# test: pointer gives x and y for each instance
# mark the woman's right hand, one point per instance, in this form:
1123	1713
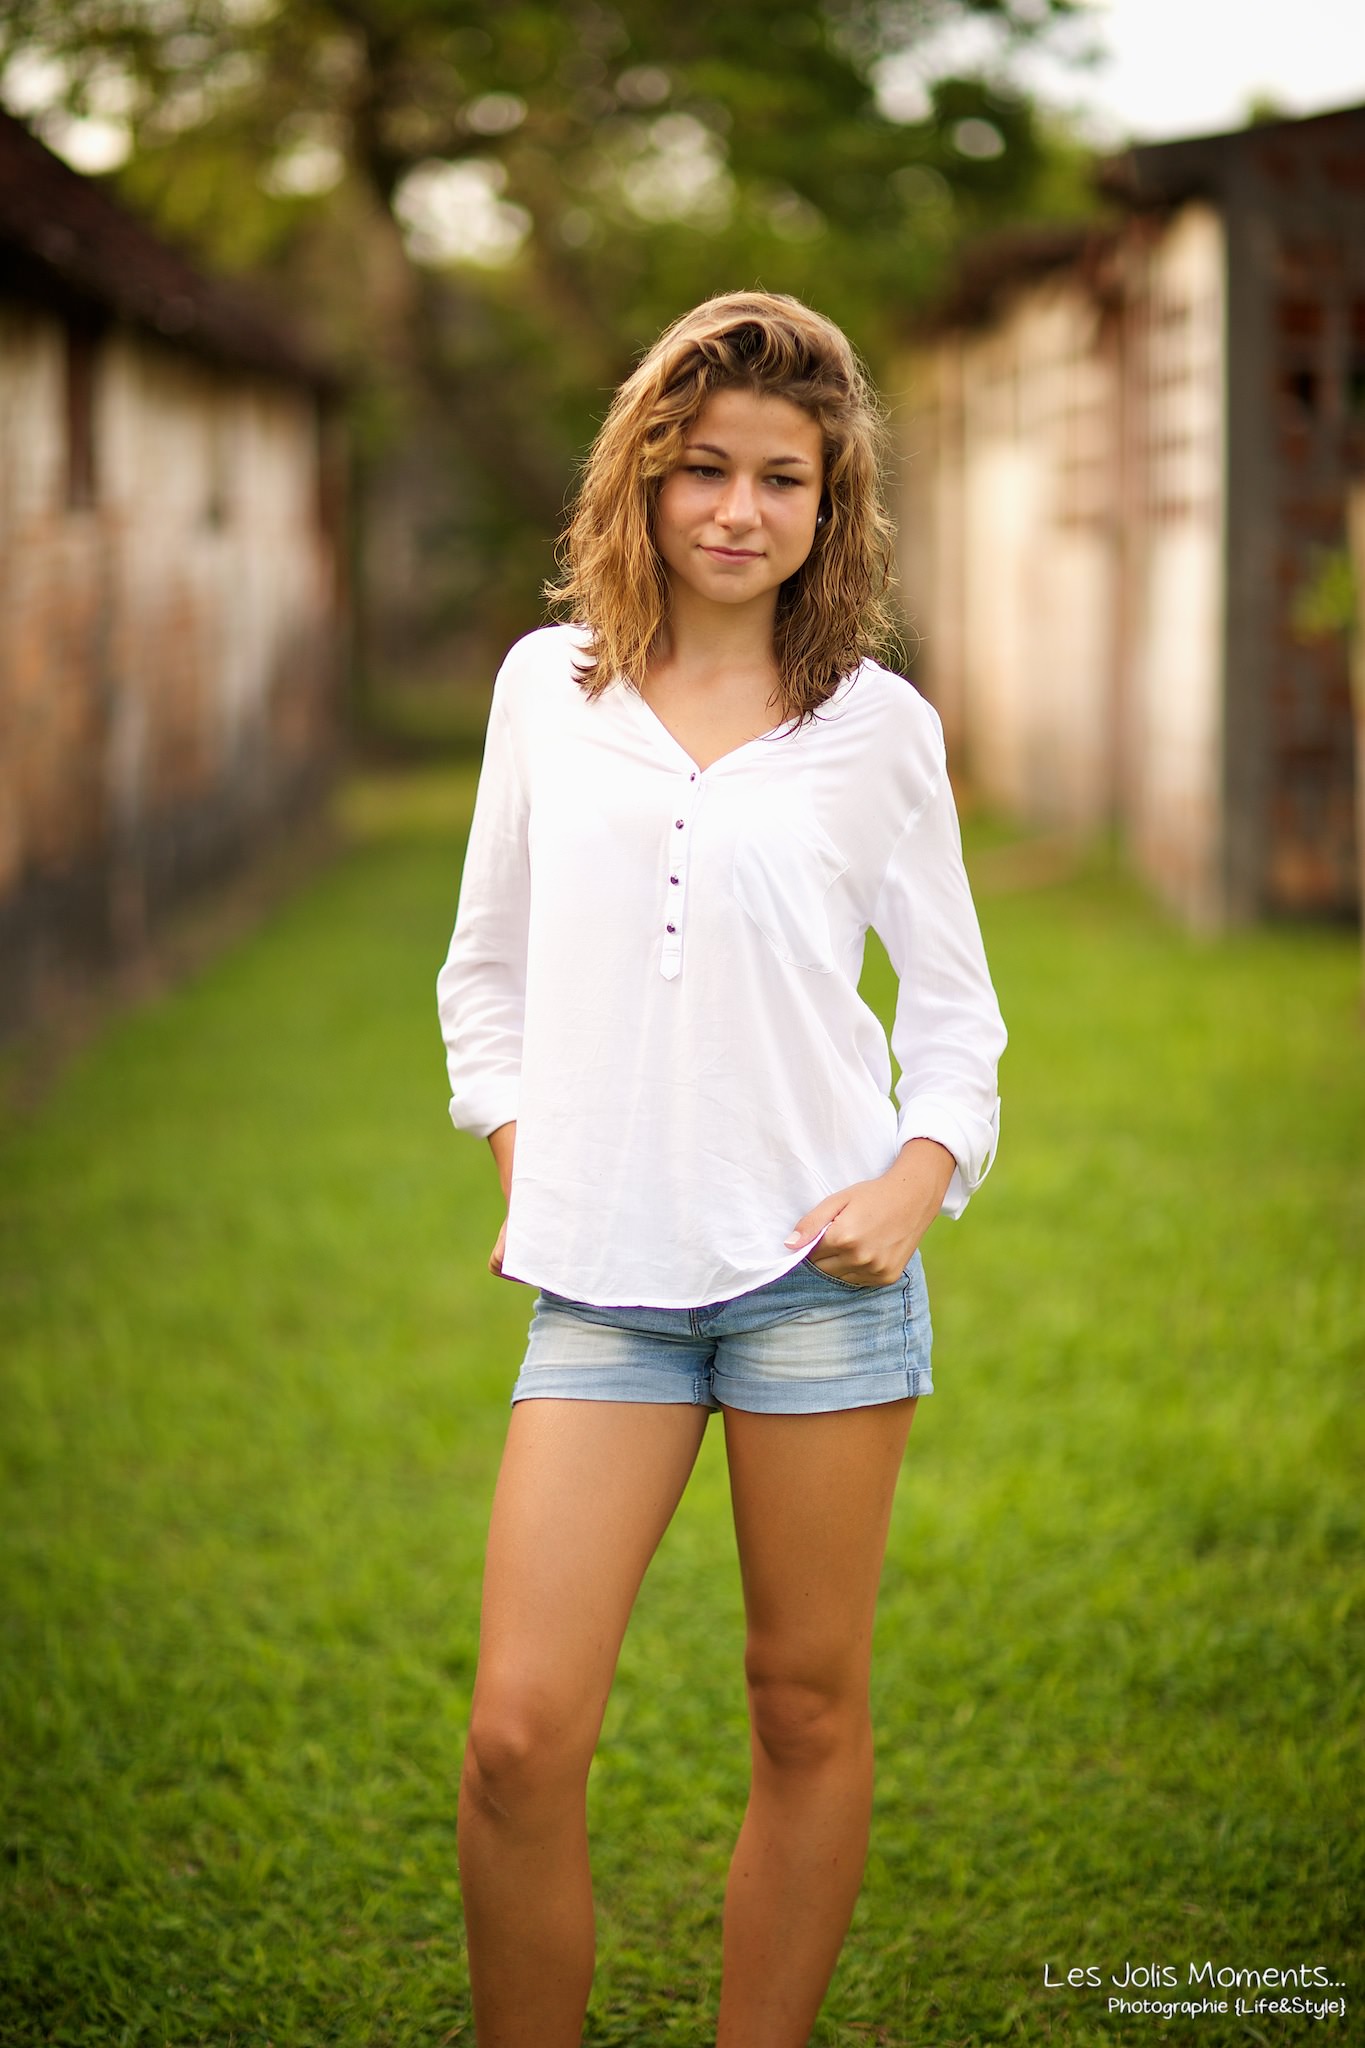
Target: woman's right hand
495	1256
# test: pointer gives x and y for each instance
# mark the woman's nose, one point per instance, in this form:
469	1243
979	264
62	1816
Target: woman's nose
737	507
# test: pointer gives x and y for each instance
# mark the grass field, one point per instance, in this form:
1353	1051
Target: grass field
254	1381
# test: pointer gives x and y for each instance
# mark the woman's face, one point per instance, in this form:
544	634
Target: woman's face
737	516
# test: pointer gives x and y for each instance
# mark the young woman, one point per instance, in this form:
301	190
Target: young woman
695	801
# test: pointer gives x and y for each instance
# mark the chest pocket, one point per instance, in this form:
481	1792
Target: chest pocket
785	864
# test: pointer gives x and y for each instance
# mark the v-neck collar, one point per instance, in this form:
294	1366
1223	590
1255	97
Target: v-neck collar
671	739
676	744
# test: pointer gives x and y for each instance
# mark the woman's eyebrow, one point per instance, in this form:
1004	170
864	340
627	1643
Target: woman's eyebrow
769	461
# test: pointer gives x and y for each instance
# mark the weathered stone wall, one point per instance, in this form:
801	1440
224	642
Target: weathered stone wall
1064	546
1304	187
1009	550
169	631
1172	526
1355	526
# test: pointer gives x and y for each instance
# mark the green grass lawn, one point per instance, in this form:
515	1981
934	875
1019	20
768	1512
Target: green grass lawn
254	1381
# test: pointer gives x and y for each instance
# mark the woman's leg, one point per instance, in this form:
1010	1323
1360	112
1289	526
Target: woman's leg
585	1492
812	1499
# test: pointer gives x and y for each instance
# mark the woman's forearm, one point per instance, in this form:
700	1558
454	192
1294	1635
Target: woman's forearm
502	1144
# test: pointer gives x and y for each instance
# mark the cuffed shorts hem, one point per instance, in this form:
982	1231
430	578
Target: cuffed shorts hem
865	1390
816	1398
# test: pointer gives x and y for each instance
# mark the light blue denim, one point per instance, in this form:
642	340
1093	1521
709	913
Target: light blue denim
803	1344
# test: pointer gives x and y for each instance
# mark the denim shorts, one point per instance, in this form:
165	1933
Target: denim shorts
803	1344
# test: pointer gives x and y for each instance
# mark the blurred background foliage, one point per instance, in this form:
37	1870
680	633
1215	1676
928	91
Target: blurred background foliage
482	213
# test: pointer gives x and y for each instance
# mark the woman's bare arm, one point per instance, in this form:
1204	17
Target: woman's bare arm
502	1144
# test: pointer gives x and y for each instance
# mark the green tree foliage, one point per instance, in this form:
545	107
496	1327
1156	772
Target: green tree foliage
485	211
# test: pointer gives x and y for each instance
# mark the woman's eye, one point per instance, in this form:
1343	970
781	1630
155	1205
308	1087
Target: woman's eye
708	471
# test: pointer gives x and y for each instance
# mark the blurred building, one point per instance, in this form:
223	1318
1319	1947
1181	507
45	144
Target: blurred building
1130	453
171	591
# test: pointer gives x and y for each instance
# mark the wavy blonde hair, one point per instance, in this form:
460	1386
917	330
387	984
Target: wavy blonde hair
835	609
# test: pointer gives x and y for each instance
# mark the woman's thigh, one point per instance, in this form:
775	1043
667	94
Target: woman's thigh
584	1493
812	1499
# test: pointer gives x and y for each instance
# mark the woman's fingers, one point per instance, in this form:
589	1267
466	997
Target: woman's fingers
817	1219
495	1256
869	1240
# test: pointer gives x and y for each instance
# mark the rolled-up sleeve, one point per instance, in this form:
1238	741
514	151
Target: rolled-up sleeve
481	988
948	1033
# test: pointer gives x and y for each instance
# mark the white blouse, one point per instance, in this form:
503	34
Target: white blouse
654	970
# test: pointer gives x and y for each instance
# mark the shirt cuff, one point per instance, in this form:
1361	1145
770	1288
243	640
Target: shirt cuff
485	1114
971	1140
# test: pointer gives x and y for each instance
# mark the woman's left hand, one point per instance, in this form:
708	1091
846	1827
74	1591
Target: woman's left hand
872	1228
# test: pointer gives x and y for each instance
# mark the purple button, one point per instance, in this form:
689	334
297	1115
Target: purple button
693	776
670	927
674	880
679	823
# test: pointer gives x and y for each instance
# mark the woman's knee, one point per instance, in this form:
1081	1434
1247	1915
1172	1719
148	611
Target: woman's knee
802	1723
523	1750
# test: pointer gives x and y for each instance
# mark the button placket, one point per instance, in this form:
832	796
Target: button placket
678	855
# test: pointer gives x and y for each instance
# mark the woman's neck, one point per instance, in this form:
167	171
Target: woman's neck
706	644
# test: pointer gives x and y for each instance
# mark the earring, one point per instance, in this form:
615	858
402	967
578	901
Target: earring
822	517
